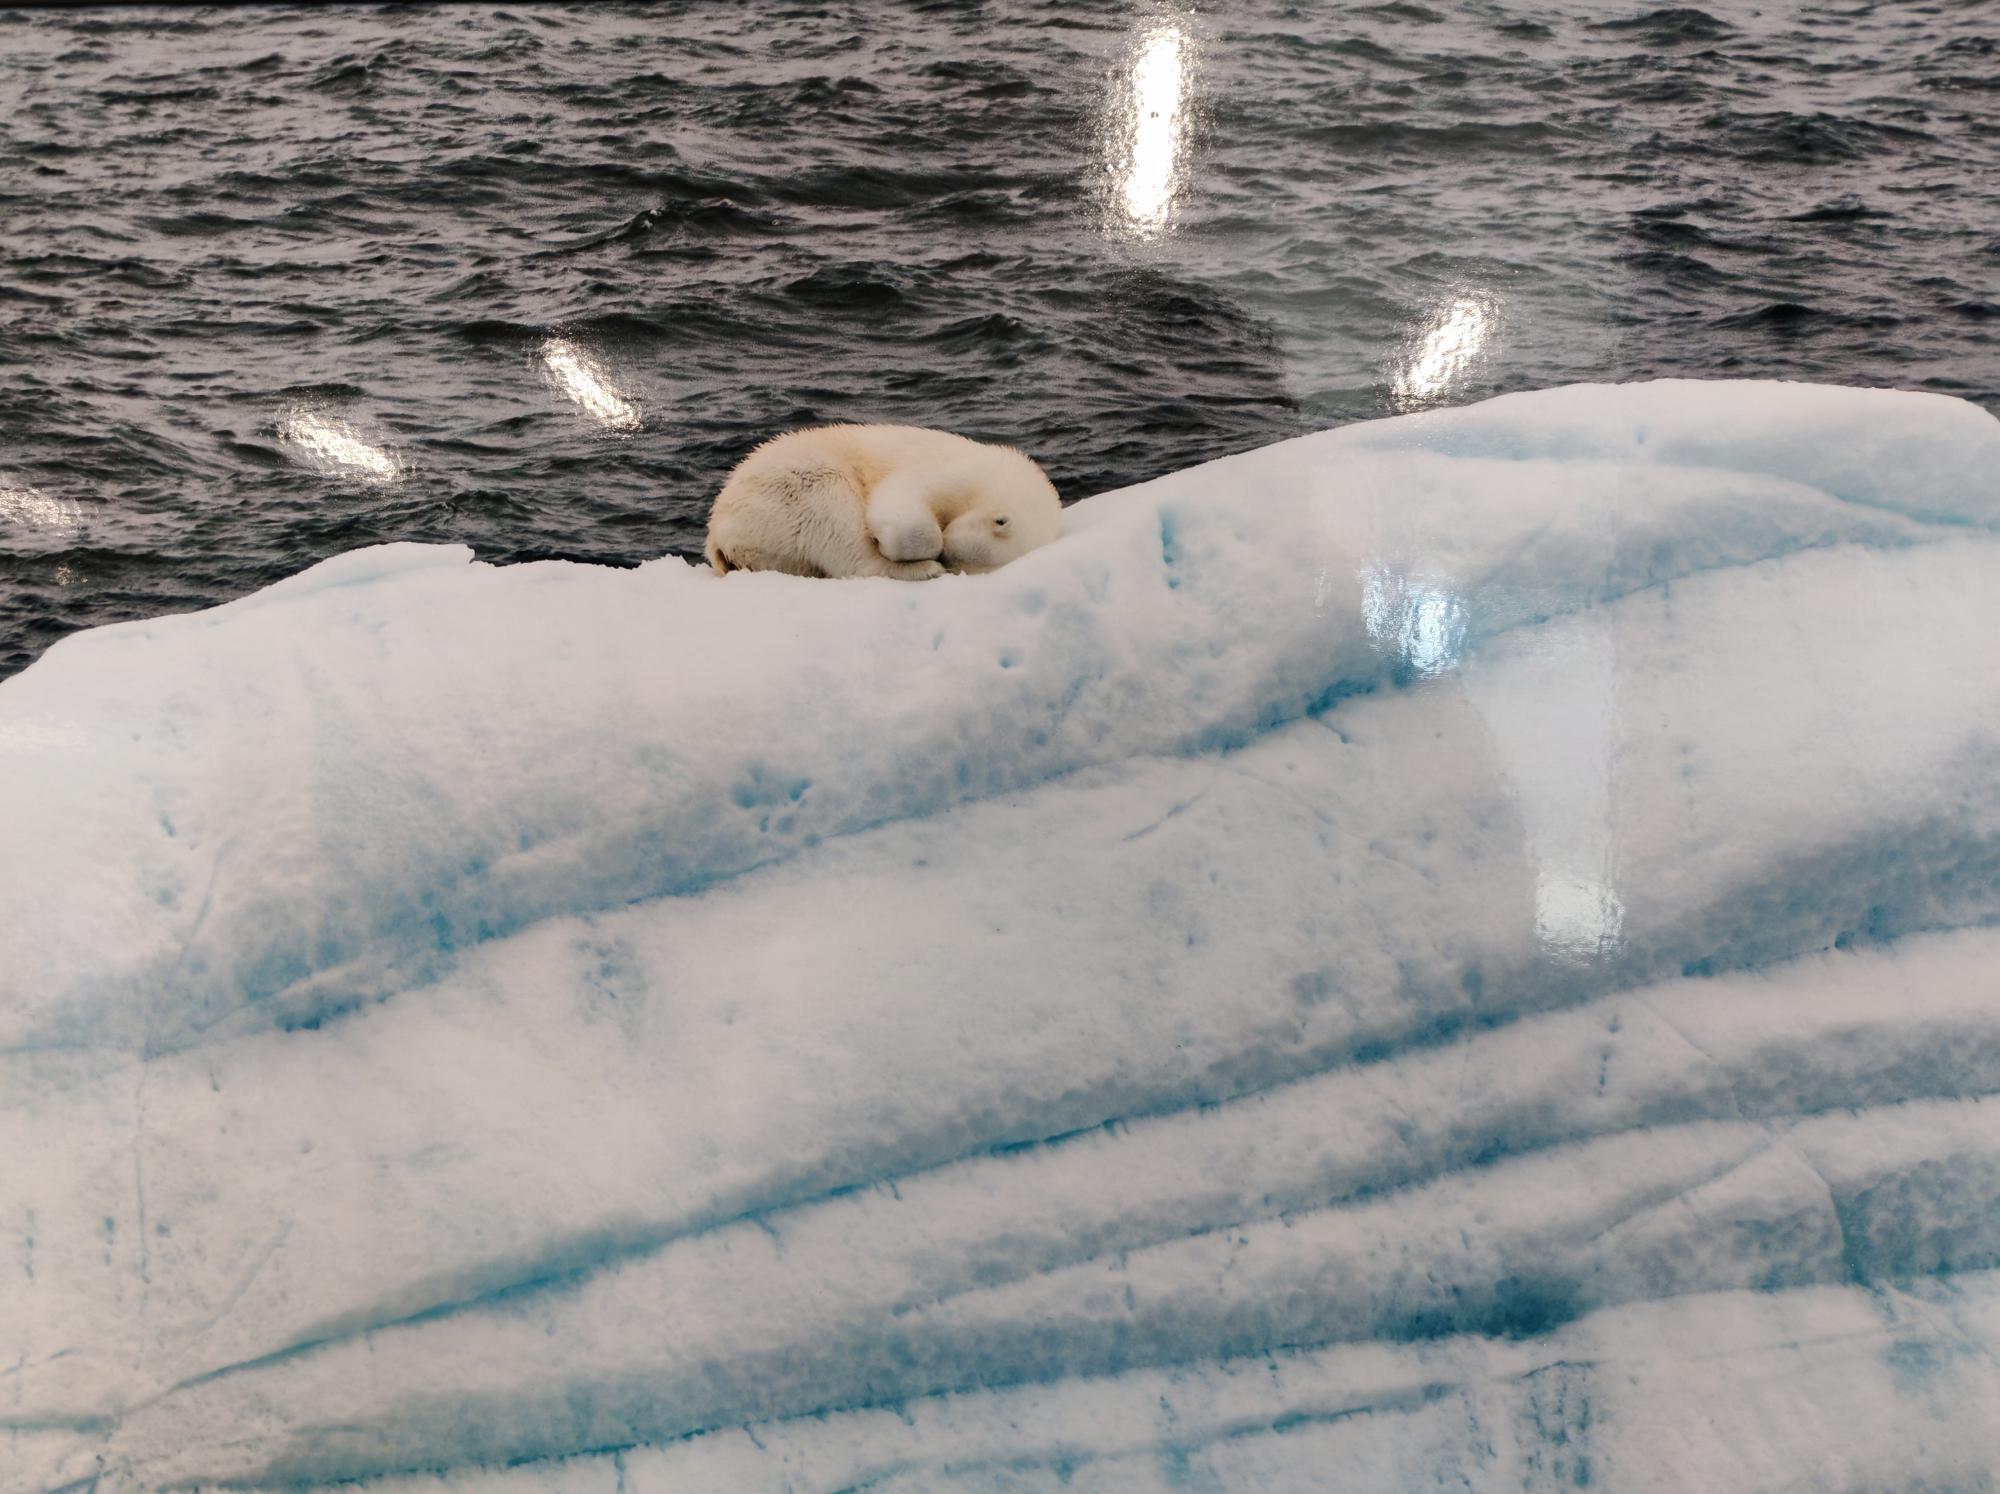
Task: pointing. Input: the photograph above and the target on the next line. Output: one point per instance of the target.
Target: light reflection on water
(1449, 345)
(1148, 138)
(323, 440)
(581, 379)
(29, 508)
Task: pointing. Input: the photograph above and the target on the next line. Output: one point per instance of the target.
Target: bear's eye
(1000, 522)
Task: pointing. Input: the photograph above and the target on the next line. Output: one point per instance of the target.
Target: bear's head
(1004, 521)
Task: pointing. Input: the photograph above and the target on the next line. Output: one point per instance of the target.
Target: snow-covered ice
(1459, 951)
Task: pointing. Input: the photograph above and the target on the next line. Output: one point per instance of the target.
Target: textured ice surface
(1457, 951)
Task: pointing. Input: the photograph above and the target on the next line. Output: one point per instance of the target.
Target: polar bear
(880, 500)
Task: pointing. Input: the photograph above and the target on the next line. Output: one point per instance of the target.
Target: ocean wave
(1669, 27)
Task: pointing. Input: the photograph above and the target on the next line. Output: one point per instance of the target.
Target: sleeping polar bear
(880, 500)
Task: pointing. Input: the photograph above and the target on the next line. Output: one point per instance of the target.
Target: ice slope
(1460, 950)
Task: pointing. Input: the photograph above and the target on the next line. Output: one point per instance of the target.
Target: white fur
(880, 500)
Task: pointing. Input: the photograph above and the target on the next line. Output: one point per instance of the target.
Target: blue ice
(1458, 951)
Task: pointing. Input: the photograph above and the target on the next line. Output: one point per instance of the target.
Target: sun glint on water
(1148, 164)
(577, 376)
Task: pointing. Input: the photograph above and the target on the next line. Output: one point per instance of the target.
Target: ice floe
(1457, 950)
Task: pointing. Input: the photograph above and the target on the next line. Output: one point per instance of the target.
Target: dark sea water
(279, 283)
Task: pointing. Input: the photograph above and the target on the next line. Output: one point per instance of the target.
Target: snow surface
(1459, 951)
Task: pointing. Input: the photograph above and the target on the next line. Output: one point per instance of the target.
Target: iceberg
(1458, 951)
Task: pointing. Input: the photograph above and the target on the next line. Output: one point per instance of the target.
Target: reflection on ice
(1451, 340)
(323, 440)
(1577, 918)
(1551, 714)
(579, 378)
(1149, 128)
(1422, 626)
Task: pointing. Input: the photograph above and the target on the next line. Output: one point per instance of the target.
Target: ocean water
(275, 284)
